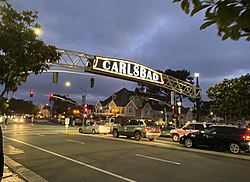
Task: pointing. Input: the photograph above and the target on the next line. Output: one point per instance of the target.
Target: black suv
(230, 138)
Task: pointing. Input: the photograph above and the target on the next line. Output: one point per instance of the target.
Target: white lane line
(39, 134)
(157, 159)
(73, 160)
(74, 141)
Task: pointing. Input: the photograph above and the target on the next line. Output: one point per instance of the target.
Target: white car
(94, 127)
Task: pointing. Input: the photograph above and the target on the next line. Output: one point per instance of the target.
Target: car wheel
(138, 136)
(234, 148)
(115, 134)
(93, 132)
(175, 137)
(151, 139)
(188, 143)
(80, 130)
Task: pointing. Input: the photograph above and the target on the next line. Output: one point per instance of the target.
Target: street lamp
(211, 115)
(179, 106)
(197, 75)
(37, 31)
(179, 113)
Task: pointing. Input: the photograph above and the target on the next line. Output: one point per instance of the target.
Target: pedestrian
(1, 155)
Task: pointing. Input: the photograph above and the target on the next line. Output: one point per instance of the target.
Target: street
(54, 155)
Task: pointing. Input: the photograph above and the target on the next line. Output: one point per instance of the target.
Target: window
(150, 123)
(133, 122)
(130, 110)
(147, 112)
(189, 127)
(126, 122)
(199, 126)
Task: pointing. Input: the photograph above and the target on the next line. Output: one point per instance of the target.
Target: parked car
(230, 138)
(113, 124)
(94, 127)
(138, 128)
(165, 130)
(176, 134)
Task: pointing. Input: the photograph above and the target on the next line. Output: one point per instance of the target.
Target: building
(44, 111)
(129, 104)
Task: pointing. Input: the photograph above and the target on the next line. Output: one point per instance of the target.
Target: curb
(24, 173)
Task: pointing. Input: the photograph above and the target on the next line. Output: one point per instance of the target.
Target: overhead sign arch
(127, 70)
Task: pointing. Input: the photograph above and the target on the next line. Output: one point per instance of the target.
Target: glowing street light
(67, 84)
(197, 75)
(179, 107)
(37, 31)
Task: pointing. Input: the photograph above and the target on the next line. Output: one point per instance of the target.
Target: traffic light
(51, 96)
(31, 93)
(85, 108)
(92, 82)
(55, 77)
(173, 109)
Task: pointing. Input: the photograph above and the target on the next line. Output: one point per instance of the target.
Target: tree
(232, 17)
(61, 104)
(21, 52)
(154, 90)
(20, 106)
(231, 98)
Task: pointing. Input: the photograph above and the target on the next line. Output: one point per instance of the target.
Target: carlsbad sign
(123, 68)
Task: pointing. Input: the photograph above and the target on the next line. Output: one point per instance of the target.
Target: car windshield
(150, 123)
(208, 130)
(100, 123)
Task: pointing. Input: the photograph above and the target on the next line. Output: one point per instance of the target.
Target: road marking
(73, 160)
(39, 134)
(157, 159)
(74, 141)
(26, 173)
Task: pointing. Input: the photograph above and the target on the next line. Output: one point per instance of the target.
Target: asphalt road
(58, 156)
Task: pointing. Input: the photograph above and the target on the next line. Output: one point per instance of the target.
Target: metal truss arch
(85, 62)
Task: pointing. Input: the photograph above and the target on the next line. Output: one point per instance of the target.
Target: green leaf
(206, 24)
(185, 6)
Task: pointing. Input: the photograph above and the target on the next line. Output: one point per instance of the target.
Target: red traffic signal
(51, 96)
(173, 110)
(32, 93)
(85, 108)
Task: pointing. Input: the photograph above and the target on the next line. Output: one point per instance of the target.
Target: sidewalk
(9, 176)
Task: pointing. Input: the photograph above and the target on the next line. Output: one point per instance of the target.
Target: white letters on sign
(127, 69)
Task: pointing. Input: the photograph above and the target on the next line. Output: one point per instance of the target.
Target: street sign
(66, 121)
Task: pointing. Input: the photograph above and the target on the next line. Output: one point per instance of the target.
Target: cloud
(155, 33)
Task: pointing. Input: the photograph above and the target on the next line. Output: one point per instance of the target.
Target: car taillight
(146, 129)
(246, 137)
(159, 129)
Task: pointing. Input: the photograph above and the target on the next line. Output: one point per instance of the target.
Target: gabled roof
(121, 98)
(131, 101)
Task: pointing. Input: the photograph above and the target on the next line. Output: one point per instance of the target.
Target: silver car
(94, 127)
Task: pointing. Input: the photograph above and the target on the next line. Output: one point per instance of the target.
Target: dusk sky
(155, 33)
